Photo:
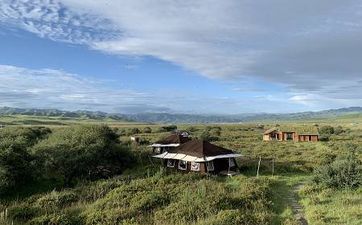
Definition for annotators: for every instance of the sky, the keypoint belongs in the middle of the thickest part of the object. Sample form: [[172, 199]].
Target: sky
[[202, 57]]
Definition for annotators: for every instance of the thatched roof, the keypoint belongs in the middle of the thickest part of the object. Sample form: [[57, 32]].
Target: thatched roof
[[197, 151], [199, 148], [300, 130], [173, 139]]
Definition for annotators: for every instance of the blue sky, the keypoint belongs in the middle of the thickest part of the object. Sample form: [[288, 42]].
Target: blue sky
[[219, 57]]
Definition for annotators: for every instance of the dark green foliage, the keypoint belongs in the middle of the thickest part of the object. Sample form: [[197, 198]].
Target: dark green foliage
[[167, 128], [324, 137], [326, 130], [191, 129], [338, 130], [16, 162], [15, 167], [64, 218], [88, 152], [22, 212], [210, 135], [147, 130], [133, 131], [341, 173]]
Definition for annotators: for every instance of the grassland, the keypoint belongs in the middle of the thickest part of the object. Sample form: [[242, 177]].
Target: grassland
[[147, 194]]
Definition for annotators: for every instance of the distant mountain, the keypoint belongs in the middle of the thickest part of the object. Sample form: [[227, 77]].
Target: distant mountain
[[183, 118], [61, 113], [247, 117]]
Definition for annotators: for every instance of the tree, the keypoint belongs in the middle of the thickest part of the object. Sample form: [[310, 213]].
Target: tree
[[326, 130], [82, 152]]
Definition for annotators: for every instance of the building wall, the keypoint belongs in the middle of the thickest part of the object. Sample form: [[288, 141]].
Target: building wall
[[283, 137], [307, 138], [219, 165], [266, 137]]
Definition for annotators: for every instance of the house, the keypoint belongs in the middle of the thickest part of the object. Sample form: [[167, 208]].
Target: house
[[200, 156], [285, 133], [169, 142]]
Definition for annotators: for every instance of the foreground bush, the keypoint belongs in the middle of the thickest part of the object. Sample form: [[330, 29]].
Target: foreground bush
[[184, 199], [342, 173], [15, 159], [82, 152]]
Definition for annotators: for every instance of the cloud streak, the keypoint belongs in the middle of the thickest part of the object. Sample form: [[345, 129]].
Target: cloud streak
[[47, 88]]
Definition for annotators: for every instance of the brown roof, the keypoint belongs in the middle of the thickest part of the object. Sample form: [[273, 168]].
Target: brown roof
[[300, 130], [173, 139], [199, 148]]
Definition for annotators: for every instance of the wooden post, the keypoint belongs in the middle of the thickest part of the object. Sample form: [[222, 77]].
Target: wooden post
[[257, 171], [273, 166]]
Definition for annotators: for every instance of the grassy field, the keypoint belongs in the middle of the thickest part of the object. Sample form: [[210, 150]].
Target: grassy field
[[147, 194]]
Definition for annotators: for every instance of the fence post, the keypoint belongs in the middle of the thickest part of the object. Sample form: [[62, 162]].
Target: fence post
[[257, 171]]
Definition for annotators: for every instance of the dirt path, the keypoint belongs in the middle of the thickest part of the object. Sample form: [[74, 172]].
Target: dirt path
[[296, 207]]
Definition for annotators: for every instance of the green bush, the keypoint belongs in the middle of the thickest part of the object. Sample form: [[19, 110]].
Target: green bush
[[326, 130], [82, 152], [207, 136], [22, 212], [56, 200], [15, 160], [147, 130], [59, 218], [167, 128], [342, 173]]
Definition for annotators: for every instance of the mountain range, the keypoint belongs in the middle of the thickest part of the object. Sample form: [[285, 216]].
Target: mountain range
[[182, 118]]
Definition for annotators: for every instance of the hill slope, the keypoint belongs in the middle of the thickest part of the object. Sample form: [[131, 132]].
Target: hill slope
[[185, 118]]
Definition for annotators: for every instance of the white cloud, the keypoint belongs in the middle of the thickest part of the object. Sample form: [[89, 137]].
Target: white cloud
[[47, 88], [311, 47]]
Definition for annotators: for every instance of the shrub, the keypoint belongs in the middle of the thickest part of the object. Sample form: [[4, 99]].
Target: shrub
[[147, 130], [133, 131], [15, 159], [167, 128], [338, 130], [56, 200], [191, 129], [22, 212], [342, 173], [326, 130], [62, 218], [324, 137], [207, 136], [77, 152]]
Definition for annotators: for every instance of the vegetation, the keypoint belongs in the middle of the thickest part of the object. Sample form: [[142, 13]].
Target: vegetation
[[93, 174]]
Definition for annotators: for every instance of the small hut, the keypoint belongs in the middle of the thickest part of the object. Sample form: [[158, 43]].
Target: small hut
[[200, 156], [170, 142], [298, 134]]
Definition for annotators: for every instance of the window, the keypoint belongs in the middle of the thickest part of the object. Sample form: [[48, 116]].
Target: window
[[231, 162], [210, 166], [289, 136], [195, 166], [170, 163], [182, 165], [158, 150]]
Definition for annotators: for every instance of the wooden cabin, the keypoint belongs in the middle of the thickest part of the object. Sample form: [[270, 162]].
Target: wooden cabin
[[301, 134], [170, 142], [200, 156]]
